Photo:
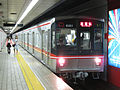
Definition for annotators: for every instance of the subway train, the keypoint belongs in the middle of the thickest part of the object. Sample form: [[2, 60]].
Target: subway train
[[70, 46]]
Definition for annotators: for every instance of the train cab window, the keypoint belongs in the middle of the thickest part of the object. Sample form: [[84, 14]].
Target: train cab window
[[84, 41], [65, 37], [97, 39]]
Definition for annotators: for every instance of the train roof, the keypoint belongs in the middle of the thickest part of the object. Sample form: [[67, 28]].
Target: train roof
[[77, 17]]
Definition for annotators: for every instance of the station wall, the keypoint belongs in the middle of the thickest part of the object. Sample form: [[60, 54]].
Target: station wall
[[2, 38]]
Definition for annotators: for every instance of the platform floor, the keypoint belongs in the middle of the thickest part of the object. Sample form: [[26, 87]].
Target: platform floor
[[11, 77], [22, 71]]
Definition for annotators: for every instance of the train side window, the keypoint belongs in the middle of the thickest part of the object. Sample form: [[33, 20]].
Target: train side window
[[37, 39], [45, 36], [97, 39]]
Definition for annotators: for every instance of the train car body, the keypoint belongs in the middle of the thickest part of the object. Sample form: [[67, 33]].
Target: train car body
[[66, 44]]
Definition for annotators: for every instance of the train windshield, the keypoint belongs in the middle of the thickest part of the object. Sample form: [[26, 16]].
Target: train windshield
[[69, 37], [97, 39], [66, 37], [84, 40]]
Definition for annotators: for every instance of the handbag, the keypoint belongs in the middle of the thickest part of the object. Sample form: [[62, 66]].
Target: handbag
[[13, 45], [8, 45]]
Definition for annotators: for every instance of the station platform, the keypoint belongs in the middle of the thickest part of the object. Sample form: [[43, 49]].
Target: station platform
[[21, 71]]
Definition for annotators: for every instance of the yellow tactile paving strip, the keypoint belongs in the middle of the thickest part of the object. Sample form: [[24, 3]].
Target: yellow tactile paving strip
[[30, 78]]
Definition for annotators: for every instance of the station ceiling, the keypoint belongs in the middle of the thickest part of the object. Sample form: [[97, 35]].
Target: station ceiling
[[11, 10]]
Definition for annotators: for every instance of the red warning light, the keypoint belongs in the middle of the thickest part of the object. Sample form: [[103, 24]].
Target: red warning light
[[85, 24]]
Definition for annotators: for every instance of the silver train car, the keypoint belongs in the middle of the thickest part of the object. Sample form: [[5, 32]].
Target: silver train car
[[69, 46]]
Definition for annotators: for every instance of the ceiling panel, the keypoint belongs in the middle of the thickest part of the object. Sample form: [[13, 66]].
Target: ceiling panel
[[39, 8], [11, 6], [11, 10], [15, 6], [3, 8]]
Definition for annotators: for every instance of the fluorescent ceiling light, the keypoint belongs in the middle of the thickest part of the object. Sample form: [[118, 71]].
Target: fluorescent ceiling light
[[30, 6]]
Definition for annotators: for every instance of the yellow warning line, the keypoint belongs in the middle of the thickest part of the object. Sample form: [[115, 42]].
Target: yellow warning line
[[30, 78]]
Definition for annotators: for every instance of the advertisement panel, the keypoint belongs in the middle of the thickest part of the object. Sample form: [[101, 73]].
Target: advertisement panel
[[114, 38]]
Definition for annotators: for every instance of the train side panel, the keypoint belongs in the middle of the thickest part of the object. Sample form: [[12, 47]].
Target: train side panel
[[37, 41]]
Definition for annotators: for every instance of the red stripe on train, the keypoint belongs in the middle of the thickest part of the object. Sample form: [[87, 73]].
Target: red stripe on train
[[53, 56], [37, 26]]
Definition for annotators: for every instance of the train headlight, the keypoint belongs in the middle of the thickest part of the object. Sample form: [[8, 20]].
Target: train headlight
[[98, 61], [61, 61]]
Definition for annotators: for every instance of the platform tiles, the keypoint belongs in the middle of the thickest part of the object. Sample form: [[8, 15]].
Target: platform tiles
[[22, 71], [11, 77]]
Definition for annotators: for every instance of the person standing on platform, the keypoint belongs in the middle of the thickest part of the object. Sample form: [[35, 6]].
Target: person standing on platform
[[8, 44], [14, 45]]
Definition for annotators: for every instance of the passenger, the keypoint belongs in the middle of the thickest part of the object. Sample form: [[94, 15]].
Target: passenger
[[62, 40], [8, 44], [75, 41], [80, 40], [14, 45]]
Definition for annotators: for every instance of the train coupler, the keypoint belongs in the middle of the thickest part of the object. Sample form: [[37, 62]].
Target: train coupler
[[96, 75], [81, 75]]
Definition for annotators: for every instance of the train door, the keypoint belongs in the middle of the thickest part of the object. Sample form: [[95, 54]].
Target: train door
[[48, 46], [33, 42], [45, 46], [21, 40], [42, 44], [27, 41]]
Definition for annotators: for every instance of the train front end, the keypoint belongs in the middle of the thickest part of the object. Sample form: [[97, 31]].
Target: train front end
[[77, 45]]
